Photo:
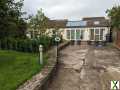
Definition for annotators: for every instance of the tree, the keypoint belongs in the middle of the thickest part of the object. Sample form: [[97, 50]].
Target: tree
[[22, 27], [114, 14], [39, 23], [10, 18]]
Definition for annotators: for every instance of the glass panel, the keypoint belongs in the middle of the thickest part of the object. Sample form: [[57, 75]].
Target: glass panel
[[78, 34], [68, 34], [82, 34], [96, 31], [72, 34], [92, 34], [101, 34], [96, 37]]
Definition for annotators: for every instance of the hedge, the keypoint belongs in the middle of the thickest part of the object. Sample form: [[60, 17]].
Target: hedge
[[26, 45]]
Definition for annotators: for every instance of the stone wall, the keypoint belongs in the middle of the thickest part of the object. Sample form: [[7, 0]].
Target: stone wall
[[42, 79]]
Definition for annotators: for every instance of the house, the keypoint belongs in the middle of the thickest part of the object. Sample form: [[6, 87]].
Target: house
[[87, 29]]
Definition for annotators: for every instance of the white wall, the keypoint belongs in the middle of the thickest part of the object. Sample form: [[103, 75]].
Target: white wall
[[86, 32]]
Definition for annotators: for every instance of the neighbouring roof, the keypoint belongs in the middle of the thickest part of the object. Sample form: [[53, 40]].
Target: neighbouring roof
[[85, 22], [93, 18]]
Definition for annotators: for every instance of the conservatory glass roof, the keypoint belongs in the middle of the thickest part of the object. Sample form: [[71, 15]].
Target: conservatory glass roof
[[76, 23]]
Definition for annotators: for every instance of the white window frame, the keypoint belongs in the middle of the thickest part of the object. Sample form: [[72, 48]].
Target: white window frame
[[98, 34], [75, 33]]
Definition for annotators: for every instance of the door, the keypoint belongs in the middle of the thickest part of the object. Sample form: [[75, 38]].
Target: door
[[82, 34], [79, 34], [96, 34]]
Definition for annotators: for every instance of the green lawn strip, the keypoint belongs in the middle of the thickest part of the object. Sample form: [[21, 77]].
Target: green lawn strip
[[17, 67]]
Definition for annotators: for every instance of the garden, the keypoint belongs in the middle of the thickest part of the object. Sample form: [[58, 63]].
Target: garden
[[26, 45], [17, 67], [19, 55]]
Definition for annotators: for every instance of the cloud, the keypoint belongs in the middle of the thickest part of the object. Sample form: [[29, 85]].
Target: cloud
[[69, 9]]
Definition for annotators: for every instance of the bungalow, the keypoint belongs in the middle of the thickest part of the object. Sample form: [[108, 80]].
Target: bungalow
[[87, 29]]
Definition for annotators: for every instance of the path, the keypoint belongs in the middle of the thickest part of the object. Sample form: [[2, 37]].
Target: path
[[86, 68]]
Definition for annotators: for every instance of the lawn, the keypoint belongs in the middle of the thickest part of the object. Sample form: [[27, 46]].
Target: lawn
[[16, 68]]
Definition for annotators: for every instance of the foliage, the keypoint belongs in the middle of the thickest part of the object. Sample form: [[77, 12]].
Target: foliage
[[17, 67], [39, 22], [11, 23], [114, 15], [25, 45]]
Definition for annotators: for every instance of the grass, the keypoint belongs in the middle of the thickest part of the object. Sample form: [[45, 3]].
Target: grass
[[16, 68]]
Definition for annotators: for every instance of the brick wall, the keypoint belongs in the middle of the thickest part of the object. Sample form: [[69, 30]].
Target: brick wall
[[118, 38]]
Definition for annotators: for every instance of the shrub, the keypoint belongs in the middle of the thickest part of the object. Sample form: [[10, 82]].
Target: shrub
[[25, 45]]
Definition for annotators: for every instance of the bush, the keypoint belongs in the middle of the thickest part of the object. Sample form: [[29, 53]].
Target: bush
[[25, 45], [45, 41]]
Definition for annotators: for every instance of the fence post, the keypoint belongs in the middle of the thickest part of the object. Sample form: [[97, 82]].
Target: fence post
[[41, 54]]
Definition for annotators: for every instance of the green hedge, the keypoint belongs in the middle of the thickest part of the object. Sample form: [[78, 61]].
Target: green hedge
[[26, 45]]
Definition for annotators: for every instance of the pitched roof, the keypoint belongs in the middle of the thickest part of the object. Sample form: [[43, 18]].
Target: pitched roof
[[93, 18], [57, 23], [85, 22], [96, 21]]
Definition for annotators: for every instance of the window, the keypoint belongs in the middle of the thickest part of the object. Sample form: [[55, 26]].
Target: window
[[96, 37], [97, 31], [96, 22], [78, 34], [91, 34], [72, 34], [68, 34], [101, 34], [82, 34]]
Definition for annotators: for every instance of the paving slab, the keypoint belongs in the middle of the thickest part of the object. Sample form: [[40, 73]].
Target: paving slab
[[87, 68]]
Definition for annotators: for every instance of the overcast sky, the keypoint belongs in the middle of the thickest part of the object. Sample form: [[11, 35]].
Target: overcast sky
[[69, 9]]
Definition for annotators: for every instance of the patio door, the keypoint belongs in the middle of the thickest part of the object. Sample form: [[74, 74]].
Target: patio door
[[75, 34], [82, 34], [79, 34], [96, 34]]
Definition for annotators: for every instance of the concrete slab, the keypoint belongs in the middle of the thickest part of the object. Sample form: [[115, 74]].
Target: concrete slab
[[87, 68]]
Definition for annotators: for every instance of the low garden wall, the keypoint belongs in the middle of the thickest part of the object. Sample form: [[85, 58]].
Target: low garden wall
[[42, 79]]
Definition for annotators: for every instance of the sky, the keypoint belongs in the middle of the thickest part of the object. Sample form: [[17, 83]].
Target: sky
[[69, 9]]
